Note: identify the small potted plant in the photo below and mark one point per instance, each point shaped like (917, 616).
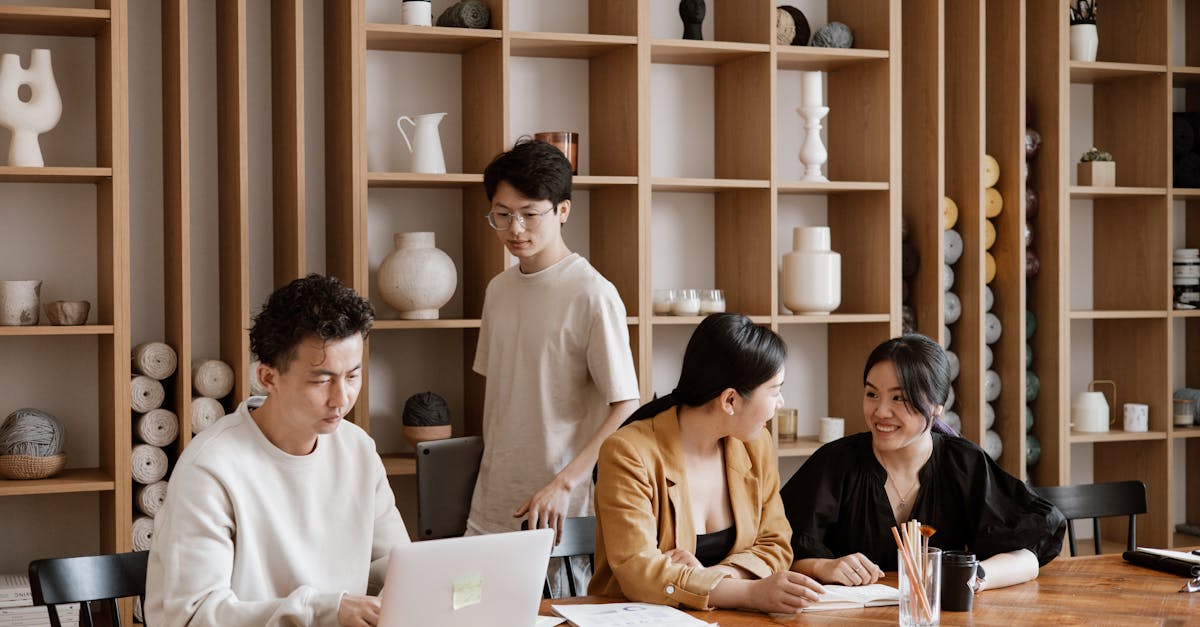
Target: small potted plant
(1084, 38)
(425, 417)
(1097, 169)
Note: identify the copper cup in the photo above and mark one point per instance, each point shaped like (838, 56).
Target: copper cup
(565, 141)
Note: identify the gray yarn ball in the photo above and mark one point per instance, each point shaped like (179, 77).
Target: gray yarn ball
(833, 35)
(33, 432)
(947, 277)
(991, 328)
(952, 247)
(953, 363)
(952, 308)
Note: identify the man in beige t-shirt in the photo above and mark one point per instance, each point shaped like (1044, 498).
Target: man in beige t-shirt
(554, 347)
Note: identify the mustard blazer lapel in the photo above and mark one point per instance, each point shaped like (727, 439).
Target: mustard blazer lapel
(745, 495)
(666, 435)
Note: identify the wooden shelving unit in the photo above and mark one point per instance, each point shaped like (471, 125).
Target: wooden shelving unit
(109, 174)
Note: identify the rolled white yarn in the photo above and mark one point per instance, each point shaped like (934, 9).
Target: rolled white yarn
(145, 394)
(256, 388)
(212, 378)
(205, 411)
(143, 533)
(159, 427)
(155, 360)
(149, 464)
(149, 498)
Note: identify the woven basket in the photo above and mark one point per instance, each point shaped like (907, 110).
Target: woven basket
(31, 467)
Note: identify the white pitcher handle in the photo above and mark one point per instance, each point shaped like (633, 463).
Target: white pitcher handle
(405, 118)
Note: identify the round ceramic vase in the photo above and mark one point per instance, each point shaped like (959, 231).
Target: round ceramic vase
(416, 278)
(812, 273)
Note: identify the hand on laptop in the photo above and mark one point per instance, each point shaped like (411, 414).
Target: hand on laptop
(547, 507)
(358, 611)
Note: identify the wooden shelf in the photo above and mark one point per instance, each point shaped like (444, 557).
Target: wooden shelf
(804, 446)
(705, 185)
(834, 318)
(43, 329)
(1116, 435)
(1100, 71)
(1100, 314)
(832, 187)
(690, 52)
(824, 59)
(54, 174)
(1180, 433)
(435, 39)
(416, 180)
(399, 465)
(683, 321)
(409, 325)
(1185, 192)
(70, 480)
(1185, 76)
(599, 182)
(53, 21)
(1086, 193)
(566, 45)
(1185, 313)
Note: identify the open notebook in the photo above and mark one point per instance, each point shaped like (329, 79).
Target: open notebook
(853, 597)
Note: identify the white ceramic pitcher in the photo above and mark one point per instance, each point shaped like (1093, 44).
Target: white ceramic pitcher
(426, 144)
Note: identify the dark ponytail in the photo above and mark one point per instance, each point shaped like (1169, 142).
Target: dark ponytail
(725, 351)
(923, 371)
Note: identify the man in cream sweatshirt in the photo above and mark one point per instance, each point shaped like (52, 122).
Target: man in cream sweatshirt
(281, 512)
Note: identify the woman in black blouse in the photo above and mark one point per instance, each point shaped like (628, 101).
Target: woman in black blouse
(844, 500)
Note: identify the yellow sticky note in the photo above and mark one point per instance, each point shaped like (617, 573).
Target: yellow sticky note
(468, 591)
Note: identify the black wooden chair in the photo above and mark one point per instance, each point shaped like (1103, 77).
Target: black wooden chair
(578, 539)
(95, 582)
(446, 472)
(1095, 501)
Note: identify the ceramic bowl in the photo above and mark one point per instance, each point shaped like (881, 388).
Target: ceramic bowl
(67, 312)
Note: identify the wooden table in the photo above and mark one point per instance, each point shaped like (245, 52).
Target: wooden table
(1097, 590)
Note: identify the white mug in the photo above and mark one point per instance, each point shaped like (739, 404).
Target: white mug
(1137, 417)
(831, 429)
(416, 13)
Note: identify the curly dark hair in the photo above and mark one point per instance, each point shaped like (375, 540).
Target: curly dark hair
(535, 168)
(314, 306)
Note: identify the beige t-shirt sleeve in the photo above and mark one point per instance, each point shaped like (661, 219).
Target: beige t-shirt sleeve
(610, 361)
(481, 347)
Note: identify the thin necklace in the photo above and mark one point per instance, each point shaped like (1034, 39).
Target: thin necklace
(896, 490)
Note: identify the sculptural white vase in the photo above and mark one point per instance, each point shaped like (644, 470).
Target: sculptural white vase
(20, 302)
(416, 278)
(812, 273)
(29, 119)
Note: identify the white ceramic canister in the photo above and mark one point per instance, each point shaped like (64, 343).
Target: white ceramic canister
(812, 273)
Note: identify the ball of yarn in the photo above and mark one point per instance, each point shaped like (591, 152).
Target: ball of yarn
(992, 444)
(800, 29)
(833, 35)
(466, 14)
(425, 409)
(212, 378)
(785, 27)
(32, 432)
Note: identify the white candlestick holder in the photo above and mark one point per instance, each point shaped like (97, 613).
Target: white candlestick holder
(812, 153)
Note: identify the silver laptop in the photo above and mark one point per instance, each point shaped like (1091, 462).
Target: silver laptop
(467, 582)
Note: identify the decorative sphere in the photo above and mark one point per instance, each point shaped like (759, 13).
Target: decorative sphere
(416, 278)
(1032, 265)
(32, 432)
(800, 28)
(1033, 141)
(910, 260)
(1033, 450)
(1032, 386)
(833, 35)
(989, 298)
(987, 356)
(992, 444)
(949, 213)
(1031, 203)
(1030, 323)
(1028, 235)
(785, 31)
(908, 319)
(991, 328)
(989, 234)
(989, 415)
(991, 385)
(953, 247)
(946, 337)
(952, 361)
(952, 309)
(947, 277)
(951, 397)
(1028, 355)
(1028, 419)
(952, 420)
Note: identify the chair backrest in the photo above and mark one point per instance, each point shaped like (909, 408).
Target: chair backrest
(578, 540)
(1095, 501)
(85, 579)
(446, 472)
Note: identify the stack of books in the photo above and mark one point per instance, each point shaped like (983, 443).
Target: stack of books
(17, 608)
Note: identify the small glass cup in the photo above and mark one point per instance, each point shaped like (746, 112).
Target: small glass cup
(1184, 411)
(712, 301)
(920, 609)
(686, 303)
(786, 419)
(663, 300)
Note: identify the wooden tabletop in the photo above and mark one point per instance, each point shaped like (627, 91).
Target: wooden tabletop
(1069, 591)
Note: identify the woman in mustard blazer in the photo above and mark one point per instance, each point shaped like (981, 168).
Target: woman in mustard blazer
(687, 491)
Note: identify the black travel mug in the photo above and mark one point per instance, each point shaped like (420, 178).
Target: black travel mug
(958, 580)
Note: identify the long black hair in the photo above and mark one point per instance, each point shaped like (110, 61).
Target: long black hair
(923, 371)
(725, 351)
